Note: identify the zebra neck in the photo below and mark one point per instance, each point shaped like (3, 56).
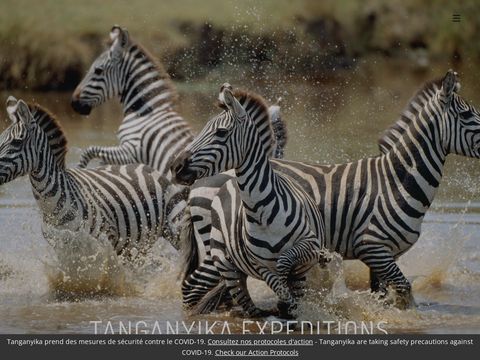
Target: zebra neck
(417, 161)
(258, 185)
(51, 186)
(145, 88)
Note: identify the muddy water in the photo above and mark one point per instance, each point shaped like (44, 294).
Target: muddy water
(336, 120)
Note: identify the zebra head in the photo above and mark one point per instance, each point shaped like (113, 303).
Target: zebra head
(16, 158)
(103, 79)
(461, 131)
(220, 146)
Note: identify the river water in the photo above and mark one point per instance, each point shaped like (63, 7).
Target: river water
(334, 120)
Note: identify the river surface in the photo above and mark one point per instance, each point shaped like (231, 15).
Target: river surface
(335, 120)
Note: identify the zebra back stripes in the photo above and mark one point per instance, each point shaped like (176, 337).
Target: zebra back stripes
(263, 225)
(124, 203)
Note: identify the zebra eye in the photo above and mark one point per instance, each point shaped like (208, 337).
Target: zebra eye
(466, 114)
(98, 71)
(15, 143)
(221, 132)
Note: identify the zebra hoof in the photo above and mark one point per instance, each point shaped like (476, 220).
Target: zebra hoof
(260, 313)
(400, 300)
(225, 303)
(325, 258)
(298, 293)
(286, 310)
(404, 301)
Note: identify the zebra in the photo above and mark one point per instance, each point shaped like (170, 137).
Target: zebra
(263, 224)
(152, 132)
(274, 136)
(124, 203)
(374, 208)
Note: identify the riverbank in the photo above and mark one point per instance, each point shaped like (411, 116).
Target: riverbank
(274, 38)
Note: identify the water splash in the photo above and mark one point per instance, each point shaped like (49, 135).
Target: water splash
(82, 266)
(6, 271)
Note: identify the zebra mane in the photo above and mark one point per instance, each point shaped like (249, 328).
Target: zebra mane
(51, 127)
(279, 131)
(257, 110)
(390, 136)
(159, 67)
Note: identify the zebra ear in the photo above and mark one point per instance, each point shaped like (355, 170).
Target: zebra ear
(221, 97)
(226, 97)
(23, 113)
(120, 40)
(450, 85)
(11, 108)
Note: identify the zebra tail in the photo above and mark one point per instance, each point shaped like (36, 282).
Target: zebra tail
(211, 300)
(188, 247)
(279, 130)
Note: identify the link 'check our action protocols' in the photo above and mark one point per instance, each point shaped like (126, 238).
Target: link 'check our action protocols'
(241, 353)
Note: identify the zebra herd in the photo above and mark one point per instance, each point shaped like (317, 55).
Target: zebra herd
(226, 196)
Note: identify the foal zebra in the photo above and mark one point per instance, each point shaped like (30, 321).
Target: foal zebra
(373, 208)
(263, 225)
(125, 203)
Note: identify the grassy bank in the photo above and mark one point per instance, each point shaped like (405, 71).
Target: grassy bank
(49, 44)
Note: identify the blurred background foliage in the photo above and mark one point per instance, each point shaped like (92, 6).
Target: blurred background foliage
(49, 44)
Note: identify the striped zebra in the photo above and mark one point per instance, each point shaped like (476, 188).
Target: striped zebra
(373, 208)
(263, 224)
(151, 132)
(125, 203)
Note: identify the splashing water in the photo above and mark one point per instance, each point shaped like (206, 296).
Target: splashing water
(443, 268)
(83, 266)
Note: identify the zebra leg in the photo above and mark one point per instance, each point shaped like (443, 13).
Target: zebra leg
(387, 271)
(280, 287)
(236, 284)
(296, 261)
(199, 283)
(297, 286)
(288, 292)
(375, 284)
(112, 155)
(205, 295)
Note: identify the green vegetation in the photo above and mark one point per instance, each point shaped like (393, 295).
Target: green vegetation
(49, 44)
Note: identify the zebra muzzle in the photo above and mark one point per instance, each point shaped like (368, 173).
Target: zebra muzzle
(181, 170)
(81, 108)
